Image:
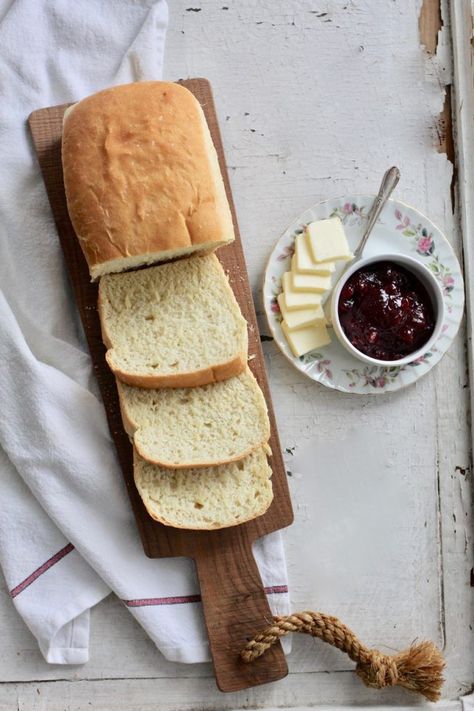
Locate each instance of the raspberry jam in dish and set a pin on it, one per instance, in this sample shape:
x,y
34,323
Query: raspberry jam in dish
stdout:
x,y
385,311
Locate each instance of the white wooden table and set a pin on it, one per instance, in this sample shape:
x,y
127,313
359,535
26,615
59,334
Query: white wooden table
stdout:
x,y
315,99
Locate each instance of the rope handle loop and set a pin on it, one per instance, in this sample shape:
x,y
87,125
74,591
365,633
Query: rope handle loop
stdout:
x,y
418,669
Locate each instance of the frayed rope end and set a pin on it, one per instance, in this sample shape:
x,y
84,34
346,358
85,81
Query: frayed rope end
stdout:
x,y
418,669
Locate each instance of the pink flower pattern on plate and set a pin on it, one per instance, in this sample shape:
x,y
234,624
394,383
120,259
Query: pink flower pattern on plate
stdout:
x,y
448,282
287,252
350,213
425,245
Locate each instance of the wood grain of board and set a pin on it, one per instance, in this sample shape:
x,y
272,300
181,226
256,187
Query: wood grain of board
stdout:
x,y
234,601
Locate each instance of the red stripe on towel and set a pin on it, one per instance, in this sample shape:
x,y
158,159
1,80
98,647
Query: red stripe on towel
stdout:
x,y
276,589
149,601
42,569
144,602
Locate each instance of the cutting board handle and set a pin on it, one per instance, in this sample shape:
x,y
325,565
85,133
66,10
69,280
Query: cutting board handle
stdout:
x,y
235,609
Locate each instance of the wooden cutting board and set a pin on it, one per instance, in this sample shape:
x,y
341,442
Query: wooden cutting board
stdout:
x,y
234,601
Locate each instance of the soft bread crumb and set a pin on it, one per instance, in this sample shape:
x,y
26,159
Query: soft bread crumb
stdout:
x,y
210,498
196,427
174,325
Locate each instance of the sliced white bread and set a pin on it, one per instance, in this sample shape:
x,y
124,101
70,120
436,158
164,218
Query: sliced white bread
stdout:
x,y
211,498
174,325
196,427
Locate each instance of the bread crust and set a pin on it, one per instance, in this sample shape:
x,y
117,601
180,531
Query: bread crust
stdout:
x,y
141,176
165,522
199,465
191,379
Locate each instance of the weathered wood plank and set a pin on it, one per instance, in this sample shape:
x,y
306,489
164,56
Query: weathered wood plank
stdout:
x,y
192,694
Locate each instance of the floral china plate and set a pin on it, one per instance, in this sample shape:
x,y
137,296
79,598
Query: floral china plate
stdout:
x,y
400,229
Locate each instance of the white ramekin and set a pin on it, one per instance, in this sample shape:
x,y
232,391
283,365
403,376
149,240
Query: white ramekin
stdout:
x,y
426,277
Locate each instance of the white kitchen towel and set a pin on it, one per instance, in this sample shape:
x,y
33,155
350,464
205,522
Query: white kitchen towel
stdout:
x,y
468,702
67,534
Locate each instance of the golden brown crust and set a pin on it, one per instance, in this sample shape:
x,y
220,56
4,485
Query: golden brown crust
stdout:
x,y
199,465
102,319
128,424
141,175
214,374
212,527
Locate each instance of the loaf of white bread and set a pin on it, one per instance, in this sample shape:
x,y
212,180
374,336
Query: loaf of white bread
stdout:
x,y
142,178
200,450
143,185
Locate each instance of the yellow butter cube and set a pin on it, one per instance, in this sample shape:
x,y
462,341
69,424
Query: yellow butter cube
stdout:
x,y
298,299
307,339
311,282
327,240
302,317
302,261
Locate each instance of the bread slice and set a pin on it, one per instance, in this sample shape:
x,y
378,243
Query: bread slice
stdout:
x,y
196,427
174,325
142,178
215,497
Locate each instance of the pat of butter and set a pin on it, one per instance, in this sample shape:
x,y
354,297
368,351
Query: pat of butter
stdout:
x,y
301,318
327,240
311,282
308,266
298,299
306,339
303,262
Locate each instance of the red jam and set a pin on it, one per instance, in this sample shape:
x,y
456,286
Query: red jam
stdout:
x,y
385,311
